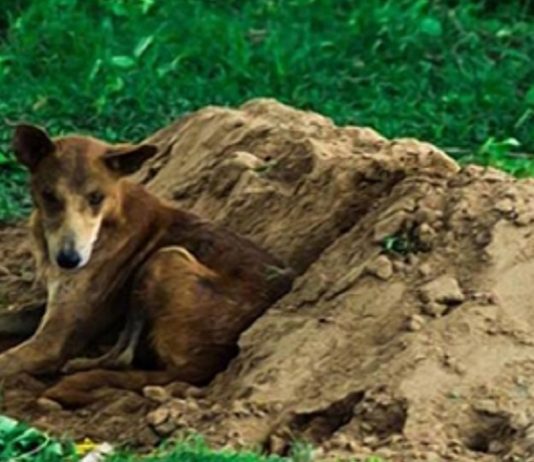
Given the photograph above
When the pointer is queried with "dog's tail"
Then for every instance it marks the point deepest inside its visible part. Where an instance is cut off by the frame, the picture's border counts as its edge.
(84, 388)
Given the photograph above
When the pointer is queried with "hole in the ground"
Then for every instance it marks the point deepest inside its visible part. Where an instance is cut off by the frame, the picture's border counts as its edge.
(450, 308)
(319, 425)
(490, 434)
(383, 418)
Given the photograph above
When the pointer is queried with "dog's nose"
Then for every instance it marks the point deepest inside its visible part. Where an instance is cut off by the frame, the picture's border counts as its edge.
(68, 259)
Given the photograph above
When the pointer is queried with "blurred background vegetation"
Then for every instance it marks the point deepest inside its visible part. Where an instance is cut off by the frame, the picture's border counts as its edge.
(459, 74)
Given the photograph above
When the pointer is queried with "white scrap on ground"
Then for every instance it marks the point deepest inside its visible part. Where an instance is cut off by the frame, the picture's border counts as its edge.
(99, 453)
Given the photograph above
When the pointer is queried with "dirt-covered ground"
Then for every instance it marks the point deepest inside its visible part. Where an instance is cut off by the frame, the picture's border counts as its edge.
(409, 331)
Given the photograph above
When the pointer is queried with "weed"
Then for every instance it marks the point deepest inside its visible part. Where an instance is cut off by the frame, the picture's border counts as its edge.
(266, 167)
(301, 451)
(501, 155)
(402, 243)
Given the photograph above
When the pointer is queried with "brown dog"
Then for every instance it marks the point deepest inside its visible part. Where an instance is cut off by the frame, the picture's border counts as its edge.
(105, 247)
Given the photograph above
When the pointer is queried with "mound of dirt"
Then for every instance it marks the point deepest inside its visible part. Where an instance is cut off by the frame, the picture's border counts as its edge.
(409, 331)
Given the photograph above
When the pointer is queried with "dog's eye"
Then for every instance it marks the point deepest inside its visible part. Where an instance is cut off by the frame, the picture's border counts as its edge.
(95, 198)
(49, 197)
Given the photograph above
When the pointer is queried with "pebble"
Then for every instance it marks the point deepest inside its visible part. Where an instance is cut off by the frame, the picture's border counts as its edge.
(444, 289)
(147, 437)
(177, 408)
(158, 416)
(166, 428)
(415, 323)
(425, 269)
(194, 392)
(277, 445)
(49, 405)
(524, 218)
(427, 235)
(157, 394)
(487, 406)
(483, 238)
(216, 408)
(413, 259)
(434, 309)
(370, 440)
(192, 406)
(340, 441)
(432, 456)
(386, 453)
(240, 409)
(505, 205)
(381, 267)
(246, 160)
(495, 447)
(520, 421)
(278, 407)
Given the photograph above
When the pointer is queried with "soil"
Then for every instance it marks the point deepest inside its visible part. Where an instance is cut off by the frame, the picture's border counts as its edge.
(409, 331)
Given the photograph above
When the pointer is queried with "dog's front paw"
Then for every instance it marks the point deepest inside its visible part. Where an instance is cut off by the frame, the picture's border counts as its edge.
(9, 365)
(78, 365)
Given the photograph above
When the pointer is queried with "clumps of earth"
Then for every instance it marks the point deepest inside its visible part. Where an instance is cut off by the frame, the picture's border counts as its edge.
(409, 332)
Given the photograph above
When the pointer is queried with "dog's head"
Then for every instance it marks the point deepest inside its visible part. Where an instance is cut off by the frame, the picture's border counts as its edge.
(75, 185)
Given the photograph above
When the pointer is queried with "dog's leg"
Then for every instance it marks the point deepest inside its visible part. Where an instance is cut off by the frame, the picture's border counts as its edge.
(130, 339)
(121, 355)
(88, 386)
(74, 313)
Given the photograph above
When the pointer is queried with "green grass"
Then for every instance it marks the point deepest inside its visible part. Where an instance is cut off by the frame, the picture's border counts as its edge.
(455, 73)
(22, 443)
(194, 449)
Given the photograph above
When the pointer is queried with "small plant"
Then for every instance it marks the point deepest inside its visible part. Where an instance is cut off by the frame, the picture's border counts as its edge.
(502, 154)
(493, 151)
(273, 272)
(301, 451)
(266, 167)
(21, 443)
(402, 243)
(454, 395)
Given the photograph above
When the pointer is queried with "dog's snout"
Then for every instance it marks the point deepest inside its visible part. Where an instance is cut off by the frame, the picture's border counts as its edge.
(68, 259)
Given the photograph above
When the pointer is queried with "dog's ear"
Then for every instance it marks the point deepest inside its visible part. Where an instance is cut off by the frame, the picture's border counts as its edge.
(127, 159)
(31, 145)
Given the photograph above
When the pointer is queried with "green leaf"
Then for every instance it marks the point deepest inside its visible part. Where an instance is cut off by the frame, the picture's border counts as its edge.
(146, 5)
(7, 425)
(123, 62)
(95, 69)
(54, 449)
(143, 45)
(431, 26)
(23, 443)
(530, 96)
(4, 159)
(116, 85)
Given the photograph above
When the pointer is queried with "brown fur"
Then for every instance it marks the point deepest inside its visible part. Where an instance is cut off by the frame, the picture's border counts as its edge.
(198, 285)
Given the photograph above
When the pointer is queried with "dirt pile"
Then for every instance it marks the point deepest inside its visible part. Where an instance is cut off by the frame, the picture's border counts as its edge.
(409, 330)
